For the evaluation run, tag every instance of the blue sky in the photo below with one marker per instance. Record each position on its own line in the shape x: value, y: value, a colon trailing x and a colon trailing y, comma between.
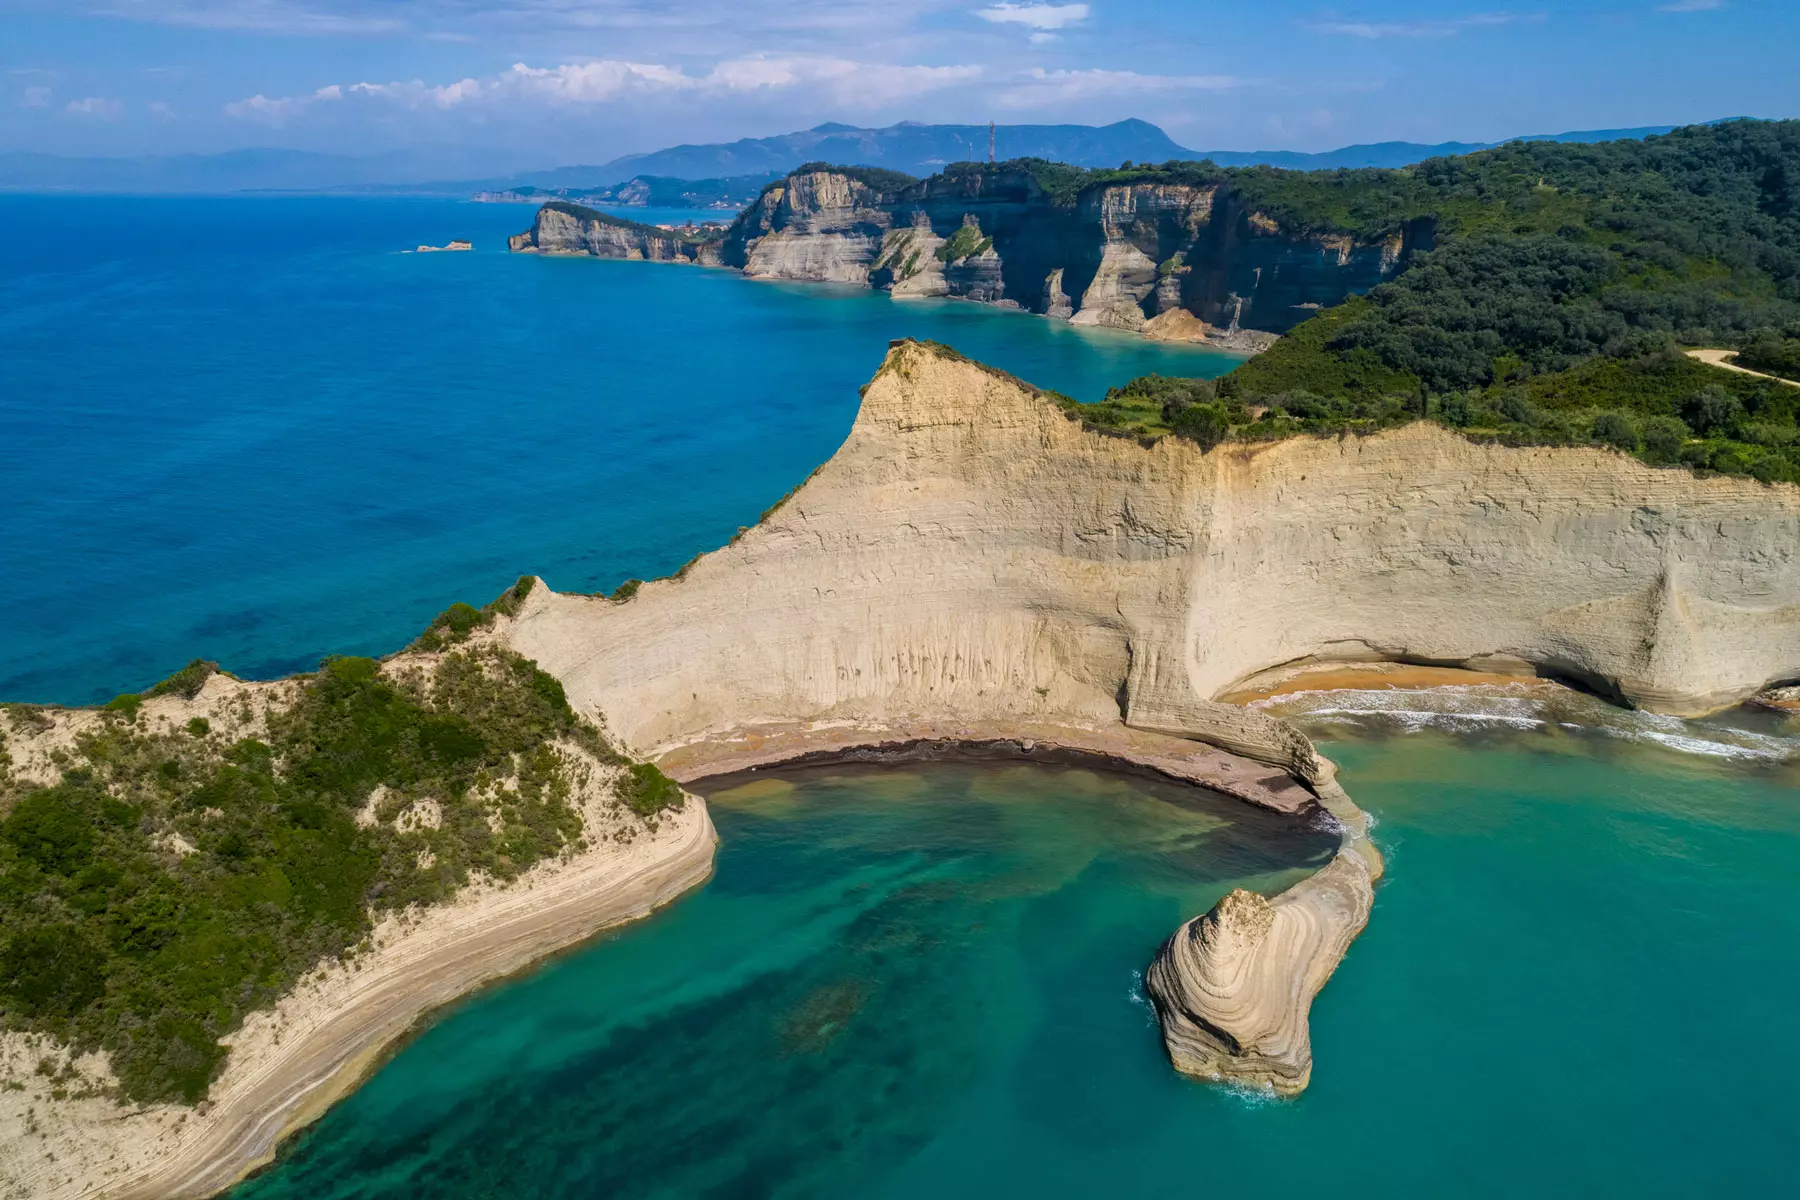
x: 549, y: 81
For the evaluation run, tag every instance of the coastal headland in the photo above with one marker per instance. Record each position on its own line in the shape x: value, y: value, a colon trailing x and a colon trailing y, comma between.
x: 976, y: 565
x: 1181, y: 259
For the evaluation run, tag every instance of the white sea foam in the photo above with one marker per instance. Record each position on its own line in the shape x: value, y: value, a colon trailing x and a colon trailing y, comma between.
x: 1472, y: 708
x: 1250, y: 1095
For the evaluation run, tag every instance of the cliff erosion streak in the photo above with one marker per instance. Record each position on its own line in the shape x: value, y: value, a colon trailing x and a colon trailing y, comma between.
x: 1171, y: 260
x: 972, y: 560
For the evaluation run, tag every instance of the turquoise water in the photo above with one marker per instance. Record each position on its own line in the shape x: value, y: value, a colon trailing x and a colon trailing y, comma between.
x: 253, y: 430
x: 1579, y: 980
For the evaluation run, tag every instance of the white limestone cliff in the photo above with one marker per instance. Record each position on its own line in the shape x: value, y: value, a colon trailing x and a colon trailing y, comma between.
x: 973, y: 558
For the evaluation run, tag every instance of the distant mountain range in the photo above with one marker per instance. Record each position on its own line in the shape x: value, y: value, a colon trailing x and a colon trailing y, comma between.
x: 925, y: 149
x: 909, y: 146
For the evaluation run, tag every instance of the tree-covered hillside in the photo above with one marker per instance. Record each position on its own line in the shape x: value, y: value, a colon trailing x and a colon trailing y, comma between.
x: 1565, y: 283
x: 170, y: 880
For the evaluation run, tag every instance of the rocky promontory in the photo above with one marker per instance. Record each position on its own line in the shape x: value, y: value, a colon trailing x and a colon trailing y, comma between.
x: 1188, y: 259
x: 1191, y: 261
x: 563, y: 228
x: 973, y: 563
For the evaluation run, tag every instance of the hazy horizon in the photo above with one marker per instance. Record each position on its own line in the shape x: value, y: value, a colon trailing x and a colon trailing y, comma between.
x: 510, y: 84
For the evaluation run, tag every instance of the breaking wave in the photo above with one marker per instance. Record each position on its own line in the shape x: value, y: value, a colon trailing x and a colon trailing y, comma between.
x: 1535, y: 705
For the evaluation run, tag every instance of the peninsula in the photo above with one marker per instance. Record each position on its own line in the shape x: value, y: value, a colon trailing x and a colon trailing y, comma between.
x: 975, y: 564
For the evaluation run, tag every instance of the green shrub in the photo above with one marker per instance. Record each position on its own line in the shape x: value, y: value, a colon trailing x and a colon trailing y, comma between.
x: 1663, y: 438
x: 110, y: 940
x: 646, y: 790
x: 1713, y: 411
x: 961, y: 244
x: 186, y: 682
x: 456, y: 623
x: 1206, y: 424
x: 126, y: 705
x: 1774, y: 353
x: 1615, y: 429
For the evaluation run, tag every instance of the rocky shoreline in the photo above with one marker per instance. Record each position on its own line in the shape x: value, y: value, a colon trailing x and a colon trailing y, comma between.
x: 1175, y: 261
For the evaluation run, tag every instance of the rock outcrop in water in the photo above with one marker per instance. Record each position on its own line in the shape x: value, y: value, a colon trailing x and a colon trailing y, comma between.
x: 572, y: 229
x: 1178, y: 261
x: 972, y: 560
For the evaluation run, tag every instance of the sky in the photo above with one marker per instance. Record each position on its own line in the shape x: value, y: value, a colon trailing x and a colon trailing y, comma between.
x: 544, y: 82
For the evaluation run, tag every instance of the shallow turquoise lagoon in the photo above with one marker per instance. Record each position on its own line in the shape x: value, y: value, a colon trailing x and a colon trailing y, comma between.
x: 924, y: 981
x: 254, y: 430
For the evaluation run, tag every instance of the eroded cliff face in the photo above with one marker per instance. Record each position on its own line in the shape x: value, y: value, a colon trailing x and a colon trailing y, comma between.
x: 1120, y: 257
x: 972, y: 551
x: 973, y: 559
x: 818, y: 226
x: 559, y: 231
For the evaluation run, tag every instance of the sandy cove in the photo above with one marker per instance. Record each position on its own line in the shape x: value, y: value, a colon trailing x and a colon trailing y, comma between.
x: 1112, y: 746
x: 291, y: 1063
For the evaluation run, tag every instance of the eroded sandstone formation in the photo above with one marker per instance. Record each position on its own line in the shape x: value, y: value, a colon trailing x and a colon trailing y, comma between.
x: 973, y: 558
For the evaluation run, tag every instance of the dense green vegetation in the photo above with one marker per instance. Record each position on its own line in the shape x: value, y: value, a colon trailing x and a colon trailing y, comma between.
x: 1564, y: 282
x: 879, y: 178
x: 967, y: 240
x: 1775, y: 352
x: 174, y: 879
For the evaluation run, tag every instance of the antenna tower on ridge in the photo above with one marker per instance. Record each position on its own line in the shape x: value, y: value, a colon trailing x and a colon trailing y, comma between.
x: 990, y: 141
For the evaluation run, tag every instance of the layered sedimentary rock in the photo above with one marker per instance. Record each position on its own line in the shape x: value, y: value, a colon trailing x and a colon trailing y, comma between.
x: 572, y: 229
x: 819, y: 226
x: 1117, y: 256
x: 1177, y: 261
x: 973, y: 556
x: 1233, y: 988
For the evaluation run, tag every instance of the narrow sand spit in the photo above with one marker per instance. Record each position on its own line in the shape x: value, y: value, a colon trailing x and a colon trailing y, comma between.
x: 289, y: 1064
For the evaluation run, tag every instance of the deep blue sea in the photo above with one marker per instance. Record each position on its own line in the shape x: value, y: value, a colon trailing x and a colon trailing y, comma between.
x: 254, y: 430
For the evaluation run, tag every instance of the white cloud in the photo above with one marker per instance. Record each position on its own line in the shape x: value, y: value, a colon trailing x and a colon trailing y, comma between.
x: 281, y: 109
x: 1038, y: 86
x: 840, y: 81
x: 98, y: 107
x: 1035, y: 16
x: 162, y: 110
x: 35, y: 97
x: 1411, y: 29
